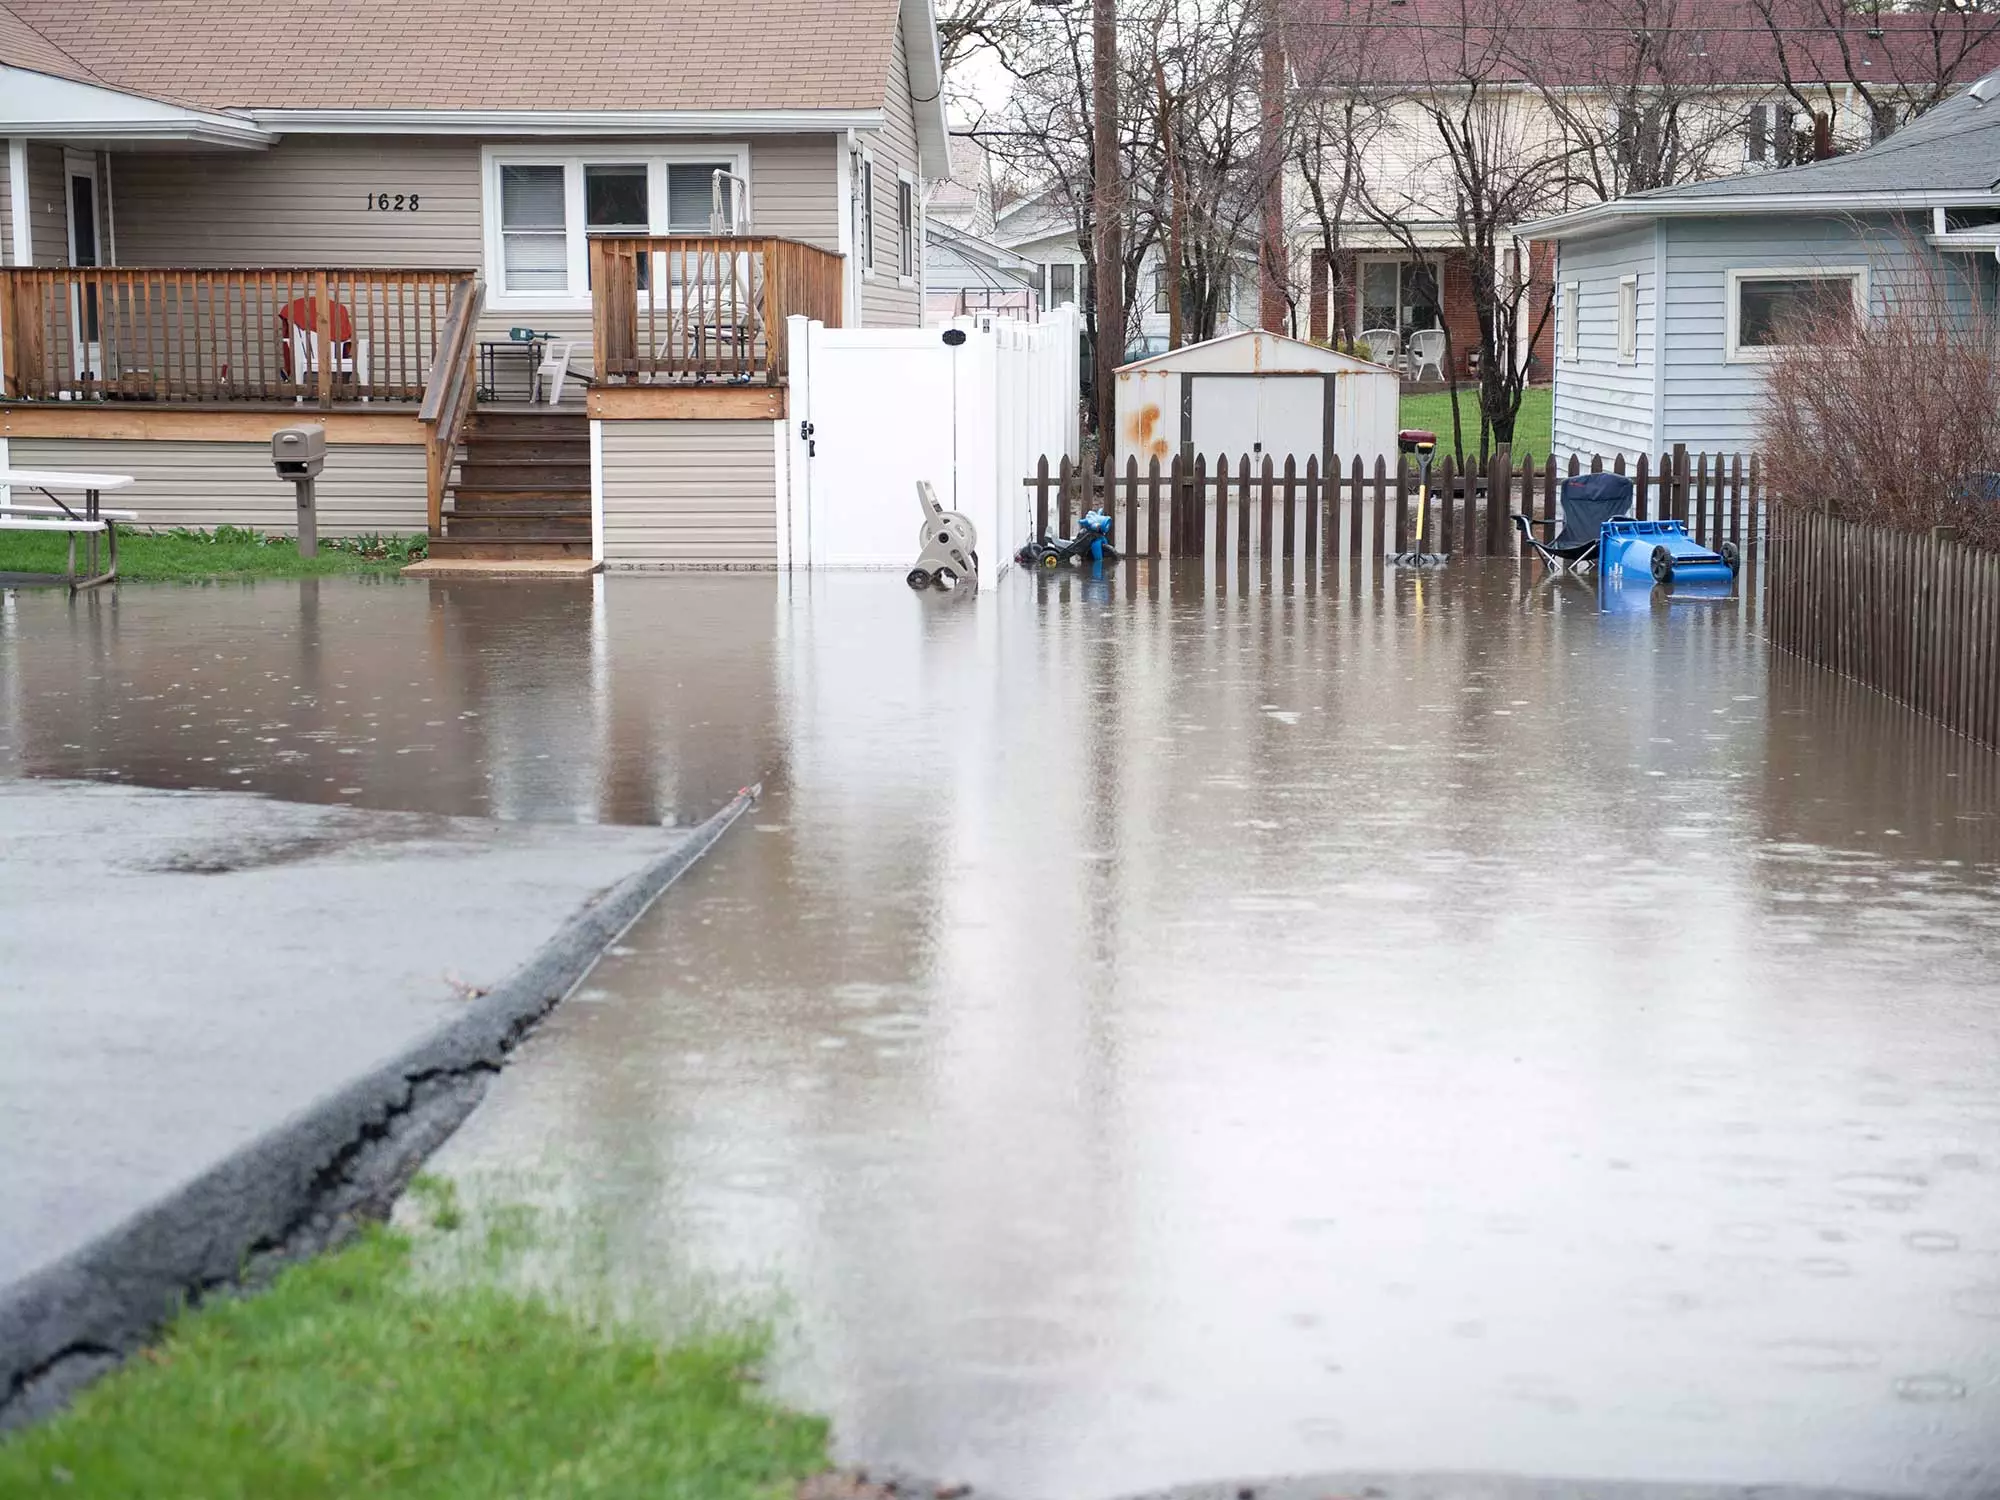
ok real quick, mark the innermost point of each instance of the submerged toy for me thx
(1091, 544)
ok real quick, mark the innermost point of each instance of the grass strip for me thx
(1533, 425)
(187, 555)
(351, 1375)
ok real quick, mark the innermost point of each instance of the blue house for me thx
(1669, 303)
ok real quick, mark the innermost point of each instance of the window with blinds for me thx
(534, 240)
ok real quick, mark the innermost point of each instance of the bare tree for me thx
(1481, 158)
(1899, 58)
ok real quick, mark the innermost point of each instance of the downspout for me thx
(1659, 336)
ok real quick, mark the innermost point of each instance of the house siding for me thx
(690, 493)
(795, 188)
(48, 215)
(305, 203)
(1711, 404)
(889, 299)
(1604, 404)
(366, 487)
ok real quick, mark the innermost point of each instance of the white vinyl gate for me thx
(969, 408)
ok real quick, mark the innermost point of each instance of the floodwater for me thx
(1152, 1034)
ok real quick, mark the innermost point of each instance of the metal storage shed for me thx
(1257, 393)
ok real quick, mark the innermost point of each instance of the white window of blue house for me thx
(1572, 294)
(1628, 319)
(1774, 307)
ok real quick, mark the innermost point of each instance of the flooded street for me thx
(1150, 1034)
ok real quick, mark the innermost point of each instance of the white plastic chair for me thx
(349, 357)
(554, 368)
(1427, 352)
(1382, 344)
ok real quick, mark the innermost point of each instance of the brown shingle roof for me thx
(22, 46)
(468, 54)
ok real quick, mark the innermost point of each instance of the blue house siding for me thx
(1605, 404)
(1710, 403)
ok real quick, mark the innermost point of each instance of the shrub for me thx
(1889, 420)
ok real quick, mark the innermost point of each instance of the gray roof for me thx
(1956, 147)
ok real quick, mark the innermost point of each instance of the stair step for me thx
(511, 503)
(518, 425)
(522, 546)
(477, 472)
(458, 523)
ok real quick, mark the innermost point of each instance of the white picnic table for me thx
(58, 515)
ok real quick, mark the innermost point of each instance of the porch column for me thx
(20, 234)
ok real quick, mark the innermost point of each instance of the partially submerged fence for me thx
(1916, 617)
(1282, 510)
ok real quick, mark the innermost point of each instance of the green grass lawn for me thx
(1532, 428)
(354, 1375)
(226, 552)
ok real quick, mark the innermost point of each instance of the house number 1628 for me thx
(392, 203)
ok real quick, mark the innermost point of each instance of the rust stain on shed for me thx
(1142, 432)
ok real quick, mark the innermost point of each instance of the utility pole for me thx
(1174, 263)
(1107, 208)
(1271, 307)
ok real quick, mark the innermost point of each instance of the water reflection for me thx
(1155, 1031)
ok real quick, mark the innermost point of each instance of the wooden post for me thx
(1639, 481)
(1132, 503)
(1380, 532)
(1243, 507)
(1075, 476)
(322, 336)
(1042, 493)
(1402, 505)
(1496, 496)
(1152, 507)
(1221, 511)
(1355, 495)
(1680, 472)
(1264, 498)
(1291, 506)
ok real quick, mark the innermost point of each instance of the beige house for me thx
(219, 218)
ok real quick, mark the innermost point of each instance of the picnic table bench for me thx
(58, 515)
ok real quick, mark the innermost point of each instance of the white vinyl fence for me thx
(968, 408)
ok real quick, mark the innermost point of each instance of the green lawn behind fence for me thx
(1533, 428)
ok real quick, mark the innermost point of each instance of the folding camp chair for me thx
(1587, 501)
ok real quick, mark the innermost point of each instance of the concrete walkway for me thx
(184, 972)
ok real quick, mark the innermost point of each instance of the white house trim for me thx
(1733, 351)
(581, 122)
(63, 109)
(20, 221)
(1600, 217)
(572, 158)
(920, 54)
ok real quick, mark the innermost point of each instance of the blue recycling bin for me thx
(1662, 552)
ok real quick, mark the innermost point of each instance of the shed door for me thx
(1274, 416)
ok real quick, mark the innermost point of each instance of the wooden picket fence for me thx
(1914, 616)
(1277, 510)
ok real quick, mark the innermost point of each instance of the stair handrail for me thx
(449, 394)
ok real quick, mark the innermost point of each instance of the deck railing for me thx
(210, 335)
(448, 400)
(671, 309)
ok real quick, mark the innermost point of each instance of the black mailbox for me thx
(299, 452)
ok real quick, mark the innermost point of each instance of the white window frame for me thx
(864, 219)
(1733, 350)
(1572, 319)
(909, 198)
(572, 156)
(1628, 319)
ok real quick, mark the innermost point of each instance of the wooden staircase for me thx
(522, 488)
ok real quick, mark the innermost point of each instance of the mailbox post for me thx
(298, 454)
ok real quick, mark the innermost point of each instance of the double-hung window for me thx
(542, 207)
